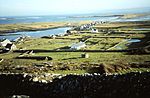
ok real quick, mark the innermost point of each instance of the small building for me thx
(5, 42)
(68, 32)
(78, 46)
(10, 47)
(85, 55)
(53, 36)
(94, 30)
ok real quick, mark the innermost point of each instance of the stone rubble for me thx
(130, 85)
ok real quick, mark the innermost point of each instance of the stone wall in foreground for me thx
(131, 85)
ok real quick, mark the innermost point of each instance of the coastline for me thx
(108, 35)
(13, 28)
(74, 49)
(38, 26)
(40, 66)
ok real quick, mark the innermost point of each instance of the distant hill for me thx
(102, 13)
(129, 11)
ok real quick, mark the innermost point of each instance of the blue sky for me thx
(52, 7)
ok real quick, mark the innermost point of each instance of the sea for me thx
(60, 18)
(34, 19)
(57, 18)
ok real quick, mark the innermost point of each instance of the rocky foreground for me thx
(131, 85)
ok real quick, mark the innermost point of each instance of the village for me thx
(74, 48)
(79, 50)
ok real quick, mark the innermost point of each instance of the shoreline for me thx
(45, 26)
(39, 26)
(13, 28)
(57, 48)
(32, 30)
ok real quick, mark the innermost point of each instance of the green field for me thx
(72, 62)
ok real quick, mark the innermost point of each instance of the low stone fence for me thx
(131, 85)
(35, 57)
(36, 51)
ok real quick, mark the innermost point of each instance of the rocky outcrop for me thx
(131, 85)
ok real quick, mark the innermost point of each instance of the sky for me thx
(56, 7)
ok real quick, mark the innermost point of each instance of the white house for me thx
(5, 42)
(10, 47)
(94, 30)
(78, 46)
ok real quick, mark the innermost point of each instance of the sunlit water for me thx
(32, 19)
(134, 40)
(13, 36)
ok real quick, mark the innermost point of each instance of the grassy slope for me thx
(75, 58)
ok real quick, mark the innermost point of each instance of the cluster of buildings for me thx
(7, 45)
(89, 26)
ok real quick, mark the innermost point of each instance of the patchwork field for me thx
(110, 36)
